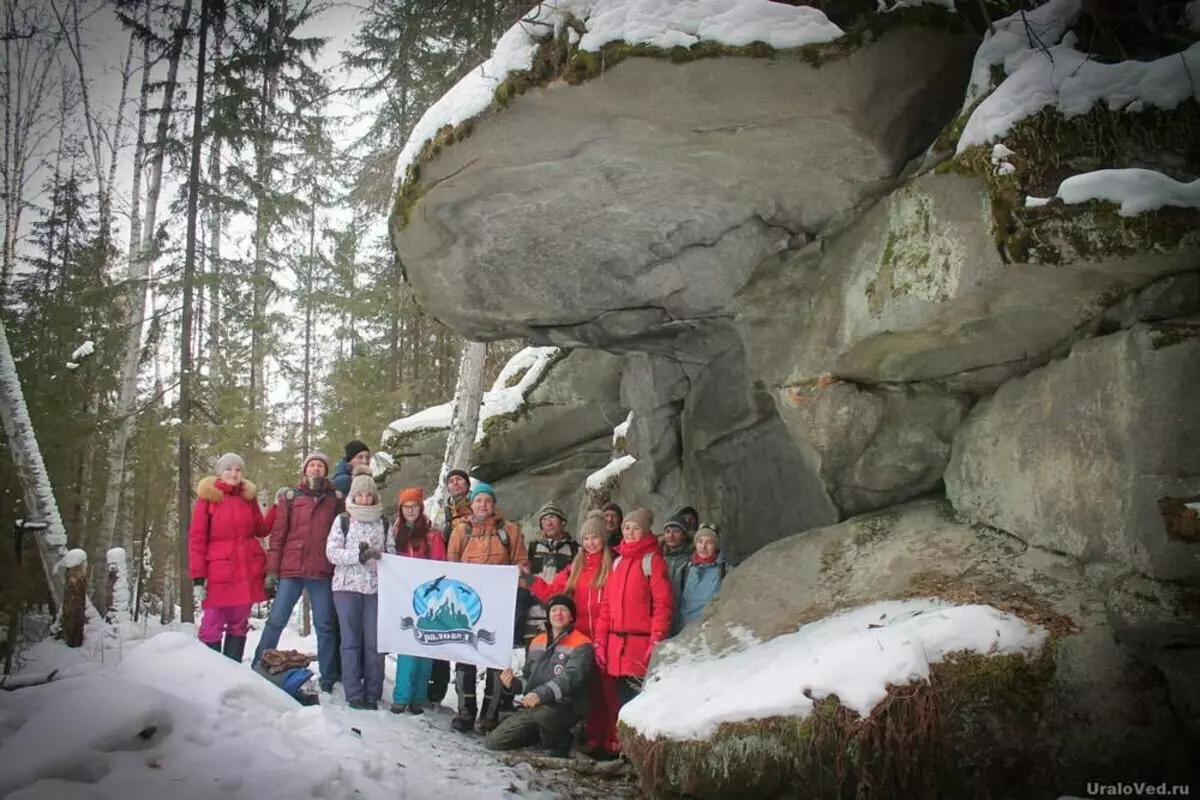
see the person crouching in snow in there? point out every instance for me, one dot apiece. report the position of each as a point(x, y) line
point(700, 578)
point(584, 582)
point(414, 537)
point(226, 561)
point(356, 540)
point(555, 685)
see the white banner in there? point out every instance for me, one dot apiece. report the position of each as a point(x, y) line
point(449, 611)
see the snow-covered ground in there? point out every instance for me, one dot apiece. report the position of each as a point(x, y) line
point(855, 655)
point(155, 713)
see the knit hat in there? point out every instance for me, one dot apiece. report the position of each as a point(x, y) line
point(460, 474)
point(411, 495)
point(551, 508)
point(709, 530)
point(355, 447)
point(642, 517)
point(613, 507)
point(482, 488)
point(363, 483)
point(229, 461)
point(676, 521)
point(562, 600)
point(687, 510)
point(593, 525)
point(316, 455)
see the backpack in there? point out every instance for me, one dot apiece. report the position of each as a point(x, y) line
point(345, 520)
point(647, 560)
point(500, 529)
point(683, 573)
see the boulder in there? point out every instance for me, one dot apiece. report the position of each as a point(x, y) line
point(1076, 456)
point(1004, 728)
point(668, 184)
point(559, 479)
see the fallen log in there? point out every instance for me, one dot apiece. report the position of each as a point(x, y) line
point(11, 683)
point(580, 766)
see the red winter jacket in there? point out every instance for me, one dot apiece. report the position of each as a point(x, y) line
point(298, 536)
point(636, 611)
point(433, 548)
point(223, 547)
point(587, 597)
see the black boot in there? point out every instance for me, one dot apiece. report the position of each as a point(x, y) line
point(214, 645)
point(235, 647)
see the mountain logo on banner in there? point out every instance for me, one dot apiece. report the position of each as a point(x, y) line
point(447, 612)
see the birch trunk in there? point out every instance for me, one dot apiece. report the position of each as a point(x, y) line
point(468, 397)
point(41, 510)
point(141, 248)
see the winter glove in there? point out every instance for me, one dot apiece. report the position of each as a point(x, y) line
point(199, 589)
point(271, 584)
point(366, 552)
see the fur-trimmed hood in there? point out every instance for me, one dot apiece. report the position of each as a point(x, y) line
point(207, 490)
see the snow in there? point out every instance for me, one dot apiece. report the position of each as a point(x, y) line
point(117, 560)
point(622, 430)
point(172, 718)
point(84, 350)
point(72, 365)
point(897, 4)
point(1036, 202)
point(1062, 77)
point(663, 23)
point(597, 479)
point(1136, 190)
point(500, 399)
point(855, 654)
point(73, 558)
point(1011, 40)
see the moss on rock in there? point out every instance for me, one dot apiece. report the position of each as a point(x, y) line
point(1049, 147)
point(915, 743)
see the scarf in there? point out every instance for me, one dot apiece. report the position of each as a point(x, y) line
point(371, 513)
point(699, 559)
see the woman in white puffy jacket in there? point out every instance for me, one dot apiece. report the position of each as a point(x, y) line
point(356, 540)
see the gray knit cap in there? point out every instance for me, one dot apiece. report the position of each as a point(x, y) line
point(551, 508)
point(318, 456)
point(229, 461)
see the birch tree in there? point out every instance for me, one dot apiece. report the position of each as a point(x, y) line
point(468, 397)
point(141, 249)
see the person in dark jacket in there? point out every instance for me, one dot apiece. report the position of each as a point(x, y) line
point(613, 519)
point(225, 559)
point(548, 556)
point(700, 578)
point(356, 462)
point(690, 518)
point(296, 562)
point(676, 548)
point(555, 685)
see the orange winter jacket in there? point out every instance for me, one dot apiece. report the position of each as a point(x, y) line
point(482, 543)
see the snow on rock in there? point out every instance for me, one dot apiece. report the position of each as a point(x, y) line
point(622, 431)
point(612, 469)
point(898, 4)
point(1064, 78)
point(1136, 190)
point(664, 23)
point(72, 365)
point(530, 364)
point(855, 654)
point(84, 350)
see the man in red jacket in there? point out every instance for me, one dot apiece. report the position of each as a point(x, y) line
point(296, 562)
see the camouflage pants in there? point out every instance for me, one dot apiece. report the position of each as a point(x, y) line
point(549, 725)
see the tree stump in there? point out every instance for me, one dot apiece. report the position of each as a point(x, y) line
point(74, 610)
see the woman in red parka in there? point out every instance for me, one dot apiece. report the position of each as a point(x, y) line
point(584, 582)
point(636, 610)
point(225, 559)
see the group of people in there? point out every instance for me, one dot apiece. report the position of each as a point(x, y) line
point(590, 610)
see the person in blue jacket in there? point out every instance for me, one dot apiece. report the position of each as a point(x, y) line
point(700, 578)
point(358, 456)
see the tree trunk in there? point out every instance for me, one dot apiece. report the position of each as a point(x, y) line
point(468, 396)
point(41, 511)
point(184, 503)
point(141, 248)
point(74, 610)
point(306, 425)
